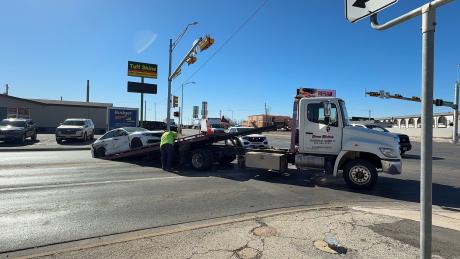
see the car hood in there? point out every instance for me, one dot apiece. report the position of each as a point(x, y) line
point(7, 128)
point(370, 136)
point(70, 127)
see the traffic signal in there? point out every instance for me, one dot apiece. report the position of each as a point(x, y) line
point(416, 99)
point(176, 114)
point(175, 101)
point(438, 102)
point(398, 96)
point(190, 60)
point(206, 43)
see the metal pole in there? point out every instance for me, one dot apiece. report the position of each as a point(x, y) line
point(168, 109)
point(181, 107)
point(145, 110)
point(455, 130)
point(428, 28)
point(87, 91)
point(142, 107)
point(155, 109)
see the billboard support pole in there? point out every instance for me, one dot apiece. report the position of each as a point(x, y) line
point(141, 124)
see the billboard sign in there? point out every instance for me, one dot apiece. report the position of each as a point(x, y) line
point(313, 92)
point(195, 111)
point(142, 69)
point(204, 110)
point(135, 87)
point(118, 117)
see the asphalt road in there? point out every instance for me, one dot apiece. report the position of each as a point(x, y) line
point(55, 197)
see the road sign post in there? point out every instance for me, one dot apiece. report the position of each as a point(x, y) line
point(455, 129)
point(428, 13)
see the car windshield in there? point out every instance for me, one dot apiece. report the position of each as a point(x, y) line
point(74, 123)
point(134, 129)
point(13, 123)
point(216, 126)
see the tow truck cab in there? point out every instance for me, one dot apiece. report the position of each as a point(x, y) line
point(323, 139)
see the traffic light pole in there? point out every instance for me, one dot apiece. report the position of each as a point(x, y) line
point(428, 12)
point(168, 109)
point(141, 122)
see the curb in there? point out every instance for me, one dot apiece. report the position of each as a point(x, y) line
point(93, 242)
point(44, 149)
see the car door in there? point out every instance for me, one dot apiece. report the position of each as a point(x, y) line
point(316, 134)
point(120, 141)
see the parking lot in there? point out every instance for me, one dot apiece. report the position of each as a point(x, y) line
point(54, 196)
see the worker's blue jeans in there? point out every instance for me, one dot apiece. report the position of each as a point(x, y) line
point(167, 156)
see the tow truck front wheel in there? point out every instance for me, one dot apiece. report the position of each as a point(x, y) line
point(360, 174)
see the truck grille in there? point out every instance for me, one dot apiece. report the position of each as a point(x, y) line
point(255, 139)
point(68, 131)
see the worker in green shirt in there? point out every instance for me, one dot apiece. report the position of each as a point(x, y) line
point(167, 149)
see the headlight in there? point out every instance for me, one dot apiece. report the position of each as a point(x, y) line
point(389, 152)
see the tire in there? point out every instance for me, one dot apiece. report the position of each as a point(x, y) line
point(402, 153)
point(136, 143)
point(226, 160)
point(360, 174)
point(59, 141)
point(85, 137)
point(34, 136)
point(201, 159)
point(100, 152)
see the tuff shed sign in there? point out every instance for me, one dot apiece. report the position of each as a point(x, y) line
point(142, 69)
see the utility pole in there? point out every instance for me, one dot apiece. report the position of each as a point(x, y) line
point(7, 89)
point(369, 119)
point(155, 110)
point(428, 13)
point(168, 105)
point(220, 114)
point(145, 110)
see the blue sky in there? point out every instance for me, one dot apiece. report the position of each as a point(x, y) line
point(50, 48)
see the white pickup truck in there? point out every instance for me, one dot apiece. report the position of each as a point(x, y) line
point(322, 138)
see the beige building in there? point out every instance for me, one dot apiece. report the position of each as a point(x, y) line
point(47, 114)
point(263, 120)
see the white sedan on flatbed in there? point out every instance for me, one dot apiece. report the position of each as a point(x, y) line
point(124, 139)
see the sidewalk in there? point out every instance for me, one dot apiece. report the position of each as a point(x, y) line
point(336, 232)
point(45, 142)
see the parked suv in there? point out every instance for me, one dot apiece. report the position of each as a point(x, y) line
point(17, 130)
point(404, 141)
point(250, 141)
point(81, 129)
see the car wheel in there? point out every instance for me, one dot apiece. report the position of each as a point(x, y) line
point(402, 153)
point(59, 141)
point(360, 174)
point(34, 136)
point(85, 137)
point(136, 143)
point(100, 152)
point(201, 159)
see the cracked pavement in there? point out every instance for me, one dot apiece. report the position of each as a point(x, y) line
point(360, 234)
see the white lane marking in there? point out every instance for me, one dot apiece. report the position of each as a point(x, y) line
point(87, 183)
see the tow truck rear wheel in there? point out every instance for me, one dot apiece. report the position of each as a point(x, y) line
point(201, 159)
point(360, 174)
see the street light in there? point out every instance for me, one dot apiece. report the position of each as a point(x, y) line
point(172, 46)
point(182, 103)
